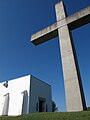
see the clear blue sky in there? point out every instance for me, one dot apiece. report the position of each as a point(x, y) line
point(19, 57)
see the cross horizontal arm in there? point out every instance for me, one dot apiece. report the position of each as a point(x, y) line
point(76, 20)
point(45, 34)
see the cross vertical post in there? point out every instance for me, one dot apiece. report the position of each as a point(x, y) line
point(75, 100)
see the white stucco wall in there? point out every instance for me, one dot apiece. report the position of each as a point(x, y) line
point(15, 88)
point(33, 89)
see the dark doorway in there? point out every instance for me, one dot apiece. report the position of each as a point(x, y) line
point(41, 106)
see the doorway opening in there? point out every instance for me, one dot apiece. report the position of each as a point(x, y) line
point(42, 107)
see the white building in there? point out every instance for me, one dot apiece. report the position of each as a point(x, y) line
point(25, 95)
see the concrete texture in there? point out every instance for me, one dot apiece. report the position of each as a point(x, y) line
point(45, 34)
point(73, 90)
point(75, 100)
point(76, 20)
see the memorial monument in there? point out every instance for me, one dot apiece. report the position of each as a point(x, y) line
point(75, 100)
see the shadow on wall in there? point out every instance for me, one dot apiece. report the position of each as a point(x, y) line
point(25, 102)
point(6, 104)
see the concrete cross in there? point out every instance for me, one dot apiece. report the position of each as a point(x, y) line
point(75, 100)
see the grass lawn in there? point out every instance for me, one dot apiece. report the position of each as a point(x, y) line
point(85, 115)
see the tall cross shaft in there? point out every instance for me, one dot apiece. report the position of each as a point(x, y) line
point(75, 100)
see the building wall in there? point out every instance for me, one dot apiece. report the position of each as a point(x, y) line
point(39, 89)
point(15, 89)
point(22, 95)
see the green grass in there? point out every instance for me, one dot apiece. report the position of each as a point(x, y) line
point(88, 108)
point(85, 115)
